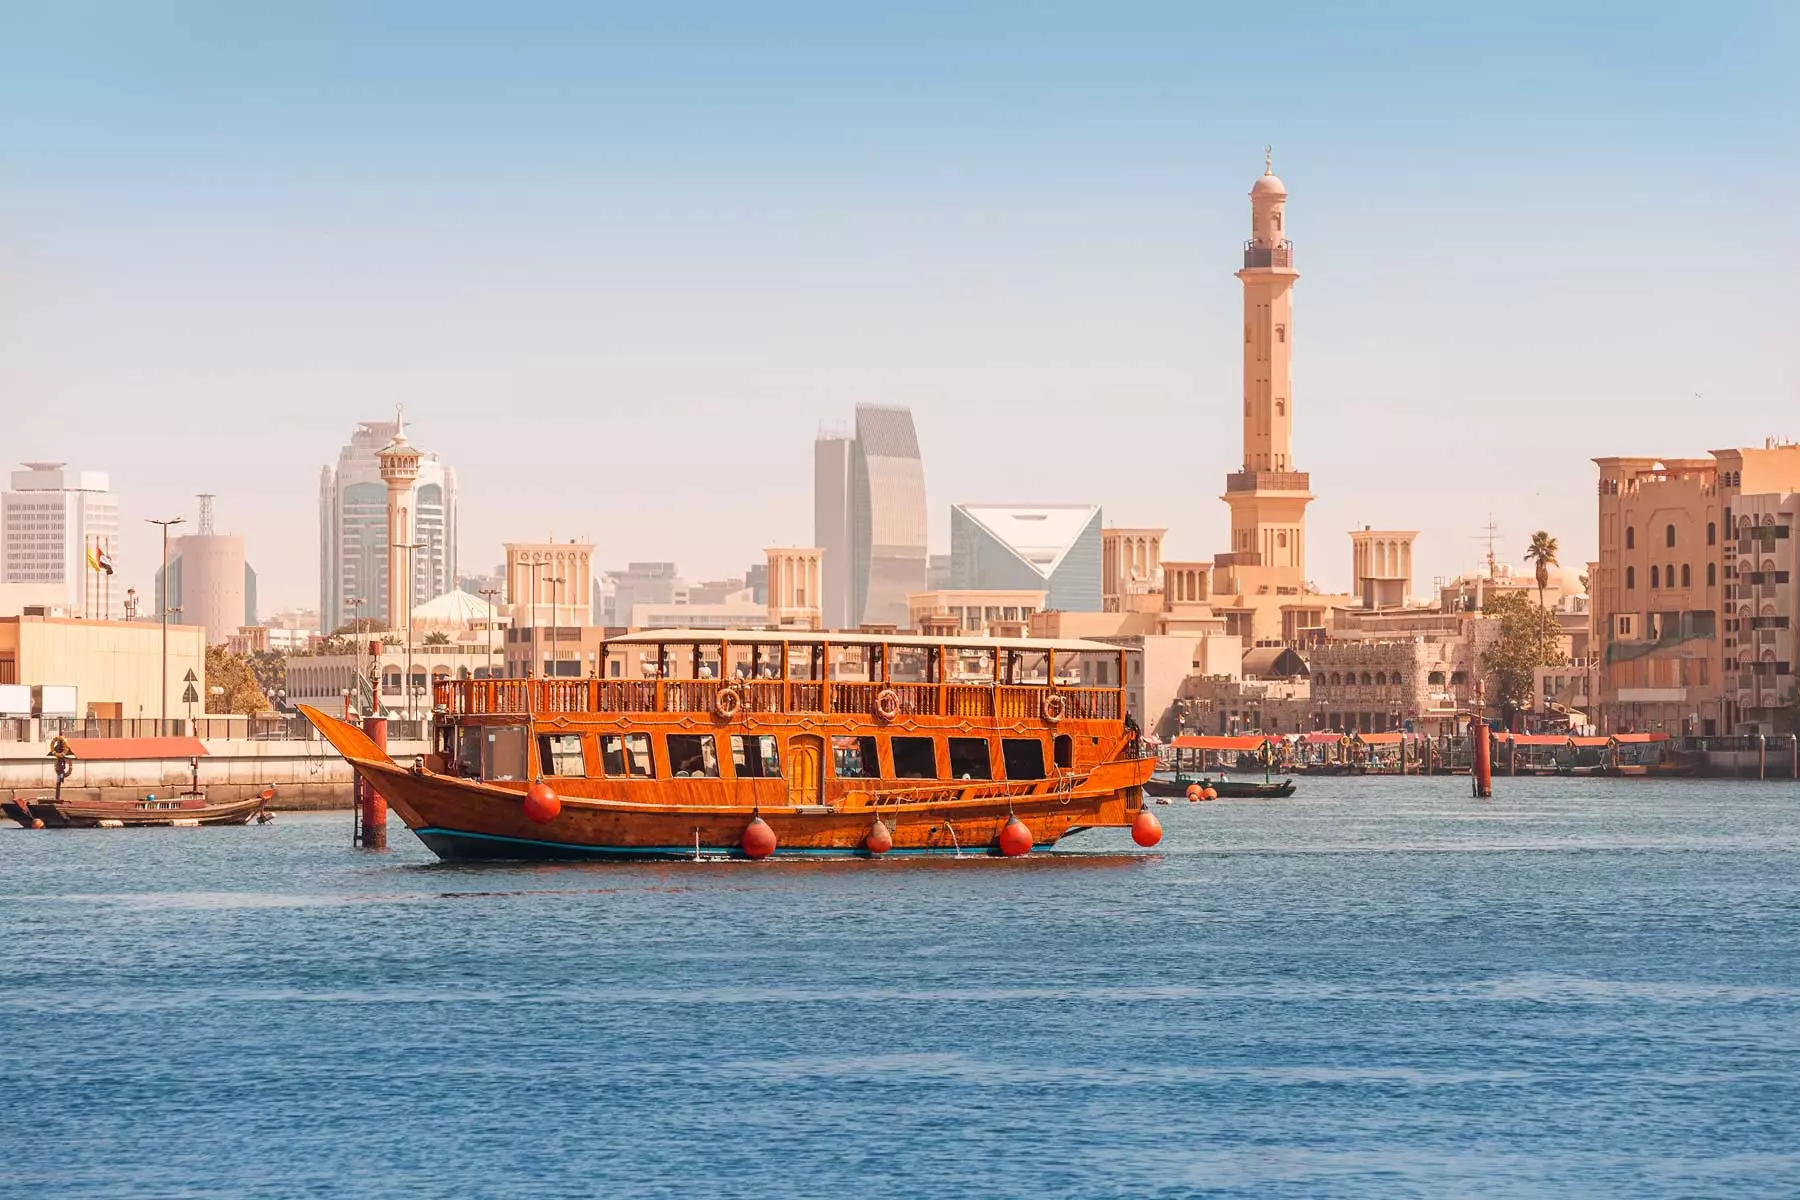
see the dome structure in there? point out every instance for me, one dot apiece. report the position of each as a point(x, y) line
point(1268, 184)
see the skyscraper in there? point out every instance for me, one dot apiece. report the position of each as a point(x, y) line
point(49, 519)
point(353, 530)
point(869, 519)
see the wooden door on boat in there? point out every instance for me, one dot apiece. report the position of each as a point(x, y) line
point(806, 769)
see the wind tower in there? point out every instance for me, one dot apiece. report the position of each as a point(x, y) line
point(399, 464)
point(1268, 497)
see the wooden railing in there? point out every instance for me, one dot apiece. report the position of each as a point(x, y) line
point(1006, 702)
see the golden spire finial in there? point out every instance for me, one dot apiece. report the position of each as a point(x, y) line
point(1268, 160)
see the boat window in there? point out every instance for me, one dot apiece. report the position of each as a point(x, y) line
point(1025, 666)
point(853, 663)
point(628, 754)
point(969, 759)
point(755, 756)
point(503, 753)
point(912, 664)
point(804, 662)
point(1065, 751)
point(1087, 668)
point(972, 666)
point(1024, 758)
point(693, 755)
point(914, 758)
point(560, 754)
point(468, 751)
point(855, 757)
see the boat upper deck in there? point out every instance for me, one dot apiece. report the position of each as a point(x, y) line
point(876, 676)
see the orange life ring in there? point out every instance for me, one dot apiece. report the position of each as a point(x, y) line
point(887, 704)
point(1054, 708)
point(728, 704)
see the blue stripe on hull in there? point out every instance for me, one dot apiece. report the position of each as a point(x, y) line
point(459, 844)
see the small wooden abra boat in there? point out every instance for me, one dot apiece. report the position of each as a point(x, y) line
point(185, 808)
point(152, 810)
point(1186, 767)
point(694, 744)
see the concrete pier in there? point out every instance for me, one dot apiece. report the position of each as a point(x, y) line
point(304, 774)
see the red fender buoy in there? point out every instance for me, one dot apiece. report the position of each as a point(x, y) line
point(879, 841)
point(1195, 792)
point(1146, 830)
point(541, 802)
point(1015, 839)
point(1212, 793)
point(758, 840)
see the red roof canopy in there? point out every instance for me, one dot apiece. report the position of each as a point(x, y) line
point(1241, 742)
point(1390, 738)
point(130, 749)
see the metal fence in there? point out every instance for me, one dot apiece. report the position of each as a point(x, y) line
point(237, 729)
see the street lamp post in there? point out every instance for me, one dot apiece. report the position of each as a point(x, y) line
point(555, 627)
point(488, 594)
point(357, 634)
point(411, 708)
point(531, 668)
point(164, 608)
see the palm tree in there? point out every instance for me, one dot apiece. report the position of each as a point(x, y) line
point(437, 637)
point(1542, 552)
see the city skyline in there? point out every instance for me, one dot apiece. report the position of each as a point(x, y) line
point(1502, 282)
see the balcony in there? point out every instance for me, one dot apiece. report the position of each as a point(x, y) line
point(1268, 481)
point(1280, 255)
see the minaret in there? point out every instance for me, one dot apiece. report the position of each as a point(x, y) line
point(1268, 497)
point(399, 470)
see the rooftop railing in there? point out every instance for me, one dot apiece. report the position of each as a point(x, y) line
point(480, 697)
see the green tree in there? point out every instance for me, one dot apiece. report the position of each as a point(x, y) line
point(1542, 551)
point(240, 693)
point(437, 637)
point(1527, 640)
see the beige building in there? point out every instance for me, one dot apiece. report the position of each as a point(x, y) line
point(1692, 603)
point(1131, 569)
point(115, 667)
point(550, 583)
point(976, 613)
point(1381, 566)
point(794, 587)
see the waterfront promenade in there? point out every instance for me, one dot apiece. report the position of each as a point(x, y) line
point(1377, 988)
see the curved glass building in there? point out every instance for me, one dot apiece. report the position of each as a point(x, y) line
point(869, 518)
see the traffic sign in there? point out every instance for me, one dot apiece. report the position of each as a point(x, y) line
point(190, 696)
point(190, 677)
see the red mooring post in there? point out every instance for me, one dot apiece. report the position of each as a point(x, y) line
point(371, 805)
point(1481, 771)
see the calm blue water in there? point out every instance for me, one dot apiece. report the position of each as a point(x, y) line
point(1374, 989)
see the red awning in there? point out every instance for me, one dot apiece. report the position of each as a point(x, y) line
point(1538, 739)
point(1640, 737)
point(136, 749)
point(1242, 742)
point(1391, 738)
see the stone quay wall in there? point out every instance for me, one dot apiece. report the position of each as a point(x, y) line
point(305, 775)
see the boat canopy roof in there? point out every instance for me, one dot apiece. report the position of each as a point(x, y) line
point(135, 749)
point(791, 637)
point(1240, 742)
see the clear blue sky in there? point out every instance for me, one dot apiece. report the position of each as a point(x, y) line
point(620, 262)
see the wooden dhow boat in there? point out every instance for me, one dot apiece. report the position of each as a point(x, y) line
point(746, 744)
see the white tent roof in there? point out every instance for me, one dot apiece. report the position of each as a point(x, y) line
point(1040, 534)
point(453, 608)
